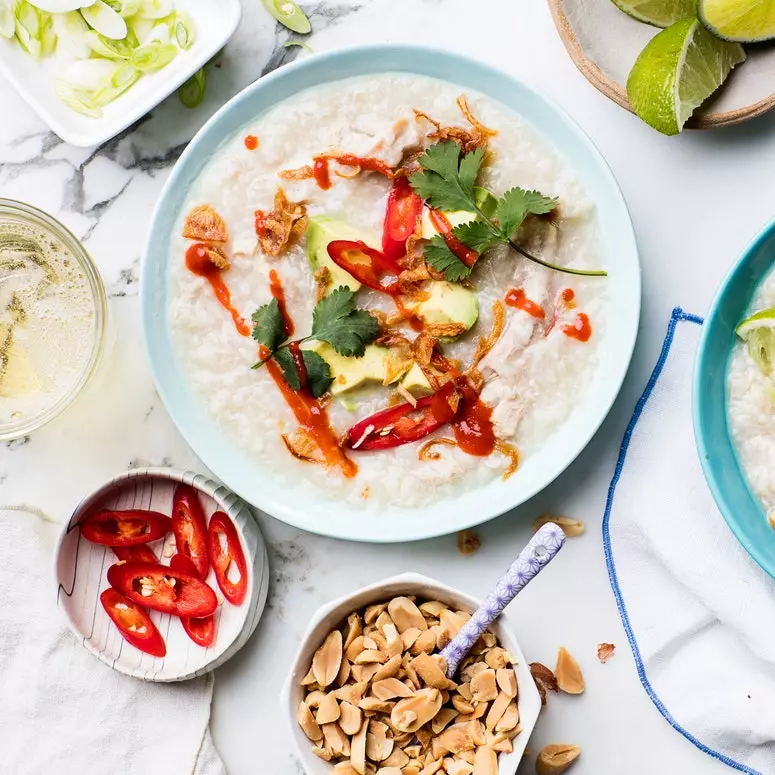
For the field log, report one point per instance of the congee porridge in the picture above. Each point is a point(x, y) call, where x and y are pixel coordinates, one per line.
point(751, 393)
point(389, 289)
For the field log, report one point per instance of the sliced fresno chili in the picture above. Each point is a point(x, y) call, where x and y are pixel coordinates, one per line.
point(125, 528)
point(190, 528)
point(365, 264)
point(133, 623)
point(393, 427)
point(225, 552)
point(139, 553)
point(163, 589)
point(201, 629)
point(404, 209)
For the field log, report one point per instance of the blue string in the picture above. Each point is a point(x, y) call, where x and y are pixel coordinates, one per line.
point(678, 315)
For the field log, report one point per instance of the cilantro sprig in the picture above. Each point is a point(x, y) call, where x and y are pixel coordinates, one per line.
point(447, 182)
point(335, 320)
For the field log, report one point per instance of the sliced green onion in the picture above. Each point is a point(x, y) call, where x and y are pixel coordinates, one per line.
point(28, 16)
point(153, 57)
point(192, 92)
point(48, 36)
point(289, 15)
point(7, 21)
point(76, 98)
point(184, 31)
point(30, 44)
point(155, 9)
point(71, 29)
point(129, 8)
point(160, 33)
point(124, 77)
point(299, 43)
point(105, 20)
point(105, 47)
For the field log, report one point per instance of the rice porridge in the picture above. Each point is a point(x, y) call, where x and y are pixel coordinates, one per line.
point(751, 408)
point(509, 361)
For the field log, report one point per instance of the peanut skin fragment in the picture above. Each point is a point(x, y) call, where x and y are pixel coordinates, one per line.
point(605, 651)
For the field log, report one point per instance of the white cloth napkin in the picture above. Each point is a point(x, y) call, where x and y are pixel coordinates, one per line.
point(699, 613)
point(61, 710)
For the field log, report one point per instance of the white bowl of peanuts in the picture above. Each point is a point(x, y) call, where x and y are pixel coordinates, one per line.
point(365, 696)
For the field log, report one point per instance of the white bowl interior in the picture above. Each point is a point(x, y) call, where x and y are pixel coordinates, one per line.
point(215, 22)
point(335, 613)
point(81, 569)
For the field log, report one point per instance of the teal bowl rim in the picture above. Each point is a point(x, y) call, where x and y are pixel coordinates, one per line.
point(472, 506)
point(702, 397)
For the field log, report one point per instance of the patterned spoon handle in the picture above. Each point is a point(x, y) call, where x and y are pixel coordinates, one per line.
point(541, 550)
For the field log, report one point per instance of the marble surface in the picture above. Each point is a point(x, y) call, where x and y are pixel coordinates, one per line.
point(696, 200)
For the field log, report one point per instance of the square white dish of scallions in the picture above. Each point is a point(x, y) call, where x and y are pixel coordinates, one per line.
point(89, 71)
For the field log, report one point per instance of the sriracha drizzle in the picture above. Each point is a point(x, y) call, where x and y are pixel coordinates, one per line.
point(517, 297)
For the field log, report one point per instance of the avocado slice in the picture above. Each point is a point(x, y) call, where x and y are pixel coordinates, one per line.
point(416, 382)
point(485, 201)
point(350, 373)
point(322, 230)
point(449, 303)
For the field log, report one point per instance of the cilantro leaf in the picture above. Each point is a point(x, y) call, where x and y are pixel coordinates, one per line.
point(470, 165)
point(269, 328)
point(336, 321)
point(516, 204)
point(442, 259)
point(318, 371)
point(476, 235)
point(446, 182)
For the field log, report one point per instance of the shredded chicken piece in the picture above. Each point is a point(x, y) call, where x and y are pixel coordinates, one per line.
point(282, 226)
point(511, 452)
point(445, 329)
point(427, 451)
point(302, 173)
point(469, 140)
point(203, 223)
point(302, 446)
point(322, 281)
point(486, 343)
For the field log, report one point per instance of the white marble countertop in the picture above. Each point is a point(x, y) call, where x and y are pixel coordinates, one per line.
point(696, 200)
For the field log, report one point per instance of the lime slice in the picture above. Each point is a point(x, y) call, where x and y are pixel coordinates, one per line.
point(677, 71)
point(747, 21)
point(660, 13)
point(758, 333)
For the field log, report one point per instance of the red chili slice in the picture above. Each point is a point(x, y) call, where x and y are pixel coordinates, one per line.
point(225, 549)
point(393, 427)
point(139, 553)
point(365, 264)
point(190, 528)
point(125, 528)
point(404, 209)
point(442, 225)
point(133, 623)
point(201, 630)
point(163, 589)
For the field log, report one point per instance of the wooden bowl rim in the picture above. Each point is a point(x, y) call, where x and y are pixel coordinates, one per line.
point(607, 86)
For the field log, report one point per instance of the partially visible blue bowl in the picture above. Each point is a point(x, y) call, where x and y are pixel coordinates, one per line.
point(741, 509)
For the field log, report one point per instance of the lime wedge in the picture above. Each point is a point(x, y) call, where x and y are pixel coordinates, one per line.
point(758, 333)
point(677, 71)
point(660, 13)
point(746, 21)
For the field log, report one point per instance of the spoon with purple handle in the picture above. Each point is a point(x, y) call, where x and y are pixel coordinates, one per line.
point(541, 550)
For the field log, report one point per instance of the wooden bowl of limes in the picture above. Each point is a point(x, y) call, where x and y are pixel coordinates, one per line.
point(654, 57)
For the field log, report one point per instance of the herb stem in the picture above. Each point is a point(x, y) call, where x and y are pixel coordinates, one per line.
point(283, 346)
point(513, 245)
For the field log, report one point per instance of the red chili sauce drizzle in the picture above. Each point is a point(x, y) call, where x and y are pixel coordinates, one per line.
point(307, 410)
point(473, 426)
point(323, 175)
point(198, 262)
point(251, 142)
point(444, 227)
point(581, 328)
point(568, 295)
point(517, 297)
point(276, 288)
